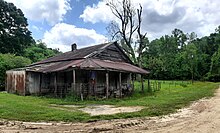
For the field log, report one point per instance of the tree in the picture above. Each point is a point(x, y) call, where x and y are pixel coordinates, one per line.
point(142, 39)
point(172, 56)
point(215, 64)
point(126, 15)
point(39, 51)
point(214, 73)
point(180, 38)
point(14, 33)
point(112, 31)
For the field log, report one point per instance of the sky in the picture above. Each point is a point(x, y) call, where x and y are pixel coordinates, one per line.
point(60, 23)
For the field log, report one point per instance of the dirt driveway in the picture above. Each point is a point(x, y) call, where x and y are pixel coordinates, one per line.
point(202, 116)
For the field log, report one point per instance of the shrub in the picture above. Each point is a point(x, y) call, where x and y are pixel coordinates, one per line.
point(213, 77)
point(10, 61)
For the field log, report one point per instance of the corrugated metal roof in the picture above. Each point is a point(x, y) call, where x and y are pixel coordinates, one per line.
point(121, 66)
point(83, 59)
point(76, 54)
point(90, 64)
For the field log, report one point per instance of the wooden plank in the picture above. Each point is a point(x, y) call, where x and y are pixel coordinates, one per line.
point(107, 84)
point(113, 53)
point(120, 88)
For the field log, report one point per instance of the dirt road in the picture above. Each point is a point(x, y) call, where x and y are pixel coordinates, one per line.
point(202, 116)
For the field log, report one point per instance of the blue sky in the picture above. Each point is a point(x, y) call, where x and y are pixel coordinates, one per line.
point(59, 23)
point(71, 17)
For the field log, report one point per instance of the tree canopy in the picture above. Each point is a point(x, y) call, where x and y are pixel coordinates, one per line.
point(39, 51)
point(176, 56)
point(183, 56)
point(14, 33)
point(17, 47)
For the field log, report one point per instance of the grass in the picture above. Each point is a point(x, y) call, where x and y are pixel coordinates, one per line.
point(170, 98)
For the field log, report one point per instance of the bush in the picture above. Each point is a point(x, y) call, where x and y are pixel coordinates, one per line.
point(183, 85)
point(213, 77)
point(39, 51)
point(10, 61)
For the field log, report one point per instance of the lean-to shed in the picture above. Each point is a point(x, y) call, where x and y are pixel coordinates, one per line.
point(100, 70)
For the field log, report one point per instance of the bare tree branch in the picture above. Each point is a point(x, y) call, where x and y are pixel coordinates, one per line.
point(141, 44)
point(126, 14)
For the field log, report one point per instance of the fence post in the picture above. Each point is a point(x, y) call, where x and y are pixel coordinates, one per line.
point(159, 85)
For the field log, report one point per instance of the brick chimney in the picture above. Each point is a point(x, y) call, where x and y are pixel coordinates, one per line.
point(74, 47)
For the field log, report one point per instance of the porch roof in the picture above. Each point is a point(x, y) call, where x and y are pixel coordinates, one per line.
point(89, 64)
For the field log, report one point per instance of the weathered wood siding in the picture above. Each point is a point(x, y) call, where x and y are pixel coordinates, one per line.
point(112, 53)
point(45, 83)
point(33, 83)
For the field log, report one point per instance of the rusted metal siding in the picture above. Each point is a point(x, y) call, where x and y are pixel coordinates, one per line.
point(16, 82)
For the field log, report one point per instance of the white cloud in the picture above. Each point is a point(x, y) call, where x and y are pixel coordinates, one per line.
point(160, 17)
point(51, 11)
point(97, 13)
point(62, 35)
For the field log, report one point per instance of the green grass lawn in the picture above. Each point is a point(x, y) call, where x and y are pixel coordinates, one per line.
point(171, 97)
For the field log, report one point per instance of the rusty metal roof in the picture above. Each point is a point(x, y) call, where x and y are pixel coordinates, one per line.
point(82, 59)
point(76, 54)
point(119, 66)
point(89, 64)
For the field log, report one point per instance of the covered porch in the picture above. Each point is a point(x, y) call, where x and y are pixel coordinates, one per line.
point(86, 83)
point(86, 77)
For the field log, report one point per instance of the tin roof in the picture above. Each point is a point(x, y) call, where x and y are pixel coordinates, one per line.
point(83, 59)
point(74, 55)
point(90, 64)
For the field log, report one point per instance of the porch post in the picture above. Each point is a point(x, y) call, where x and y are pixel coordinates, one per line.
point(120, 88)
point(55, 84)
point(142, 83)
point(40, 83)
point(130, 78)
point(74, 80)
point(107, 83)
point(65, 84)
